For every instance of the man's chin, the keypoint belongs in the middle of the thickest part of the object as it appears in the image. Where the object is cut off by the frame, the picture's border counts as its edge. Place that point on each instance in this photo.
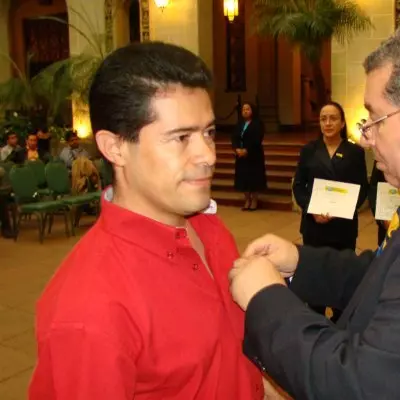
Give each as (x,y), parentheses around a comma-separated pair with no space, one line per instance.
(197,206)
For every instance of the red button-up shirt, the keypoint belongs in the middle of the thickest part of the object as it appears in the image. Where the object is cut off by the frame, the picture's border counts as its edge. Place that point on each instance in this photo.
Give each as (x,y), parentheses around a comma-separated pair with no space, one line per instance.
(133,313)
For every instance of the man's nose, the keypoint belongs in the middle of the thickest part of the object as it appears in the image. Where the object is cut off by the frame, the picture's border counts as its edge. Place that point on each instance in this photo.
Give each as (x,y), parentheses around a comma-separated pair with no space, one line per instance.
(204,149)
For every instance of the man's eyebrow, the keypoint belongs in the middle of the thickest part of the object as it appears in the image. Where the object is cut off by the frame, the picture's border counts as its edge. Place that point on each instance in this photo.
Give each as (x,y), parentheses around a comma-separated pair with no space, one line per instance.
(189,129)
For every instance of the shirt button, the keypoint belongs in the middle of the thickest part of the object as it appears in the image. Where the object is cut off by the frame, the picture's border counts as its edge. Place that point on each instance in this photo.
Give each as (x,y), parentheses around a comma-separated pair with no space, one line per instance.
(195,267)
(181,234)
(170,255)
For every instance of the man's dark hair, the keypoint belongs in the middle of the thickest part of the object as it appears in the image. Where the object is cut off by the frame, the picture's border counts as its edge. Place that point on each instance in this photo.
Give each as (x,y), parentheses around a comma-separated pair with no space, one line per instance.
(69,135)
(41,128)
(11,133)
(31,134)
(128,79)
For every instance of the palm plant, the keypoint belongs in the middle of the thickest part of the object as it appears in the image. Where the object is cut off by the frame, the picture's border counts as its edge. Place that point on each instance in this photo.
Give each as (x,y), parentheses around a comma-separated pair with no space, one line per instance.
(309,24)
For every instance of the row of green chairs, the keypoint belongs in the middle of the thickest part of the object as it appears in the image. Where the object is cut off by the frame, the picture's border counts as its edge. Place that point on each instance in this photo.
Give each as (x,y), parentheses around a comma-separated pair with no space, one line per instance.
(28,196)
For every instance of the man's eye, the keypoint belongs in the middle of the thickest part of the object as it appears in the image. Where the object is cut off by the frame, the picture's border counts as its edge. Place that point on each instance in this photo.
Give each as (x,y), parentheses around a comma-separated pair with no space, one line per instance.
(181,138)
(210,134)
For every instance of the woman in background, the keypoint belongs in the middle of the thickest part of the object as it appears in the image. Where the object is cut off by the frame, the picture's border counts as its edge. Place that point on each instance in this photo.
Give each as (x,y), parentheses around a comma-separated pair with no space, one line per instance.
(334,158)
(249,152)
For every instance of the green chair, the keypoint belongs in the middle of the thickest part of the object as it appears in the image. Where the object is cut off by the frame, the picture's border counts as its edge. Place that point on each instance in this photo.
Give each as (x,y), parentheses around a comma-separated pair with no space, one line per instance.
(6,165)
(106,173)
(28,202)
(59,183)
(38,169)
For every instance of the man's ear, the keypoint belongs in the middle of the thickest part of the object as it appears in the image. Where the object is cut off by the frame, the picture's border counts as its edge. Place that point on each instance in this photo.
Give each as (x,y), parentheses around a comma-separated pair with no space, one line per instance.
(110,145)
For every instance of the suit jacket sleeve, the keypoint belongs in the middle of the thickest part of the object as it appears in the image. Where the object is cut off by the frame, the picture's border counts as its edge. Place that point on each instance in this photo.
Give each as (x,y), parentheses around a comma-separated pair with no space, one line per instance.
(313,359)
(329,277)
(362,178)
(300,182)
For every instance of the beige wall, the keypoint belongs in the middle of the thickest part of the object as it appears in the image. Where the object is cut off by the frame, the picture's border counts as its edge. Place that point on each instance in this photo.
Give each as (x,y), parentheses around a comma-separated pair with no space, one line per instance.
(187,23)
(348,78)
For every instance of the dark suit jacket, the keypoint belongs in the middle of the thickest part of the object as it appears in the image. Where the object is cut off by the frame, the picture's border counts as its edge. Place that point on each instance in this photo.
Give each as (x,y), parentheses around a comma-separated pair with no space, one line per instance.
(314,359)
(376,176)
(347,165)
(19,156)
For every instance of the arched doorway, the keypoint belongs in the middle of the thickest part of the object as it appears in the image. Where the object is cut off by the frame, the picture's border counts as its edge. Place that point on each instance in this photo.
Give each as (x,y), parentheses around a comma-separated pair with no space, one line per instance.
(36,43)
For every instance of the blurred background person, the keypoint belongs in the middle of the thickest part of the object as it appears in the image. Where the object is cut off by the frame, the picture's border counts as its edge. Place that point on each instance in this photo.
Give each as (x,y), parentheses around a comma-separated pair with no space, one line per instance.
(250,161)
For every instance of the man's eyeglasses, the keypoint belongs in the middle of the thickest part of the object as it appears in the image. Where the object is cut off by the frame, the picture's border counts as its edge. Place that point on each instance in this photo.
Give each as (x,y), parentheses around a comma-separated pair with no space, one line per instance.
(364,127)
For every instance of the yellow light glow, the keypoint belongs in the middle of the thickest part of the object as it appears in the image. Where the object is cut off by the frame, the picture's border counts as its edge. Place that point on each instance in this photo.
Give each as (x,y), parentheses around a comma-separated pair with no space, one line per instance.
(353,132)
(83,130)
(81,120)
(231,9)
(162,3)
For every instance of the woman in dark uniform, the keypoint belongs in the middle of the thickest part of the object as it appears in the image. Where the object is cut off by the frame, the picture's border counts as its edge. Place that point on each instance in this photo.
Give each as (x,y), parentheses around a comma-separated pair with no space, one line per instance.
(376,177)
(249,152)
(334,158)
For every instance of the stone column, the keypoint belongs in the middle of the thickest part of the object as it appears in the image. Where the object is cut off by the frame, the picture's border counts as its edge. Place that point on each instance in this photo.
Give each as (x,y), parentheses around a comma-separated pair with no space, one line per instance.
(348,77)
(94,13)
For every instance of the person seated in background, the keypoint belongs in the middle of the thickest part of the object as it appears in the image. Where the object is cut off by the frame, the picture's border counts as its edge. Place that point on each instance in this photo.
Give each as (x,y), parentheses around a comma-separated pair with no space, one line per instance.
(31,152)
(73,150)
(376,177)
(11,147)
(44,139)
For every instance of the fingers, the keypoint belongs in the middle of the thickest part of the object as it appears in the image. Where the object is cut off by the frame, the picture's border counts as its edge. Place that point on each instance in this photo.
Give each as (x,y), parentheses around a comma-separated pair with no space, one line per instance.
(259,247)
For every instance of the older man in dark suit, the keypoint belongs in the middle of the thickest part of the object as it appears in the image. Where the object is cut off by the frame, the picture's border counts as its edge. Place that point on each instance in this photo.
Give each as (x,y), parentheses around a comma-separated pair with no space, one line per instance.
(309,356)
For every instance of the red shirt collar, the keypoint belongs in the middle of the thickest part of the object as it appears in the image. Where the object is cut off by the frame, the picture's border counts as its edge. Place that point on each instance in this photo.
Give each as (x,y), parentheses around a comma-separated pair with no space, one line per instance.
(145,232)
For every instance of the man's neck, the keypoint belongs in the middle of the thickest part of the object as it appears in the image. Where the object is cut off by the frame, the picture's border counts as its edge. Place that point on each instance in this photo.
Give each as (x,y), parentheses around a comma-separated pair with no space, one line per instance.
(136,205)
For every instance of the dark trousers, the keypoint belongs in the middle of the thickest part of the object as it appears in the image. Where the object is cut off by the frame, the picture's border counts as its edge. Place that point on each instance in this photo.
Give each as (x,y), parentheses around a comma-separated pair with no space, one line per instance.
(316,241)
(4,216)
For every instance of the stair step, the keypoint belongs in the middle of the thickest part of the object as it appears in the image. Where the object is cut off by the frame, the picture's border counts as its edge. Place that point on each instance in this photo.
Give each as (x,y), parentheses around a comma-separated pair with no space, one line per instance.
(271,165)
(266,201)
(272,176)
(276,188)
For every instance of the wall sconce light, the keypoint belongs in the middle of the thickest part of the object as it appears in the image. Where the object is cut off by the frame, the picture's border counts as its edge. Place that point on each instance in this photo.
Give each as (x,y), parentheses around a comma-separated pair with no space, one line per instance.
(162,4)
(231,9)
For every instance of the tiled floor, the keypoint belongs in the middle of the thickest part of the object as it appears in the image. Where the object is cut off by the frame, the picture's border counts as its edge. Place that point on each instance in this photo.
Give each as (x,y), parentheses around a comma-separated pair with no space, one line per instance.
(26,266)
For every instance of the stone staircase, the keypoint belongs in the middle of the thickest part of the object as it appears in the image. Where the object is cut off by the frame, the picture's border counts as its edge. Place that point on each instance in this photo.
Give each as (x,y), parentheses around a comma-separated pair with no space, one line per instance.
(281,161)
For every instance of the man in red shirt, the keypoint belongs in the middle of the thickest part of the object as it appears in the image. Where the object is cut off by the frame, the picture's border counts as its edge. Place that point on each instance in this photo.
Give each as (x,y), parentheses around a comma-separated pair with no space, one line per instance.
(141,308)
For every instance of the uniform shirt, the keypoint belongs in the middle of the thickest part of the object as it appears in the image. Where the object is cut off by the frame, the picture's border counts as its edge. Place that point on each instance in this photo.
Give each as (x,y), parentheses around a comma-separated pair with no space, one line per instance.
(133,313)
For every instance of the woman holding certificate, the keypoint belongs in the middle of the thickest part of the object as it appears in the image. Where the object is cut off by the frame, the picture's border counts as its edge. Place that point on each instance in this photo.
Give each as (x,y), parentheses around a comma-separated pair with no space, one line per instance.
(330,157)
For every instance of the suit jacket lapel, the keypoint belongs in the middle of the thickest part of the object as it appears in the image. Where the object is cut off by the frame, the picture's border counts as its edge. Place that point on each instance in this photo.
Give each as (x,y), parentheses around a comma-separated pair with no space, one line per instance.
(360,308)
(323,158)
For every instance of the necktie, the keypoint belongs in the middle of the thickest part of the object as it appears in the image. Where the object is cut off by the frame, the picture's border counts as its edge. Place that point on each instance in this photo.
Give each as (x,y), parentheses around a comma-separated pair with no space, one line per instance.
(394,225)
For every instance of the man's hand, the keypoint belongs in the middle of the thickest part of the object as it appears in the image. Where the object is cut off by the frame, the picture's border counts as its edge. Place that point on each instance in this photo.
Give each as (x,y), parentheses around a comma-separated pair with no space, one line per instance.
(282,253)
(322,219)
(249,276)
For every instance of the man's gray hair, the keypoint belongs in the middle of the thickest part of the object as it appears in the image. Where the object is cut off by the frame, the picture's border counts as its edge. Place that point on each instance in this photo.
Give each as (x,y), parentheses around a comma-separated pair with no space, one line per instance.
(387,53)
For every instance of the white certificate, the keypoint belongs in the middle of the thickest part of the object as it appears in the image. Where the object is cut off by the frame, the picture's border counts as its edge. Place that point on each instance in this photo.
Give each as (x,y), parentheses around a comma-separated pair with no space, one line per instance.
(387,201)
(337,199)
